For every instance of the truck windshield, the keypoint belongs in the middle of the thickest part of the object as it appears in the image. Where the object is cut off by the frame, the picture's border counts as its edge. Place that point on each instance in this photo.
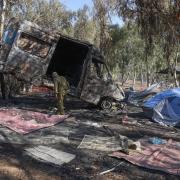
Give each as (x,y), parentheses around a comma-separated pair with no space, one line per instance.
(33,45)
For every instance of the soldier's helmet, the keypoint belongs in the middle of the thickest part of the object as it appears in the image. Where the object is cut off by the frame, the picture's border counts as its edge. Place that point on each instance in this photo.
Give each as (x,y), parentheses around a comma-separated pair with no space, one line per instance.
(55,75)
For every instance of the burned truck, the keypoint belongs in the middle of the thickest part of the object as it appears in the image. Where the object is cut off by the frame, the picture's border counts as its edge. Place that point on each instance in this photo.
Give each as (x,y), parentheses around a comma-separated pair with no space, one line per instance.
(31,53)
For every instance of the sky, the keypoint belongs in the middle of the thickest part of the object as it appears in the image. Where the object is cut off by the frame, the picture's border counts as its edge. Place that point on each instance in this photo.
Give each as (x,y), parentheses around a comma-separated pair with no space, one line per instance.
(76,4)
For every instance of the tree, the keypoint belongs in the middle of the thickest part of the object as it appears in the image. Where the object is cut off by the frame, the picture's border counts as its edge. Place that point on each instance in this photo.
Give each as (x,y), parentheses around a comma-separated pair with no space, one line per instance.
(48,14)
(157,21)
(102,19)
(84,27)
(126,52)
(127,55)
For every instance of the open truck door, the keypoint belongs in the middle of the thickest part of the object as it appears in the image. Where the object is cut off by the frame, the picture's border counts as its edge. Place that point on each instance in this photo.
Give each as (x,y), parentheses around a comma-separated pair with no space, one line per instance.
(30,52)
(92,82)
(97,89)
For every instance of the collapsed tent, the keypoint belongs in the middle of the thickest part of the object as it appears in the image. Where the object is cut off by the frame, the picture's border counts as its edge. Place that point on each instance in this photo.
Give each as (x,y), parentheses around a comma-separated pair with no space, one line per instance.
(137,98)
(164,108)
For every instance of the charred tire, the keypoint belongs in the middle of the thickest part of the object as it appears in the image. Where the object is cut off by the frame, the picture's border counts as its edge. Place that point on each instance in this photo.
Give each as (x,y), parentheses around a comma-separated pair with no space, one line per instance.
(106,103)
(122,106)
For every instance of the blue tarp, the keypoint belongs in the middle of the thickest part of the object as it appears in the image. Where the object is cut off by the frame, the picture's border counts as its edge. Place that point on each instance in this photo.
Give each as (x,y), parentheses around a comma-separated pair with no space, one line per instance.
(165,107)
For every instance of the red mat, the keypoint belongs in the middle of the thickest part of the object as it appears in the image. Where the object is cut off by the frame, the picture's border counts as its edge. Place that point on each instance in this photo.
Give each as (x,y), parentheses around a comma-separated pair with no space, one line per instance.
(160,157)
(24,121)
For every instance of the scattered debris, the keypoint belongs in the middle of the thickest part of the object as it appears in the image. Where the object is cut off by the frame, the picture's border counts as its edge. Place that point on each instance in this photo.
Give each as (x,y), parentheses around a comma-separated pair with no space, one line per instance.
(48,139)
(164,157)
(156,140)
(68,135)
(90,123)
(125,119)
(110,170)
(49,155)
(120,143)
(137,98)
(100,143)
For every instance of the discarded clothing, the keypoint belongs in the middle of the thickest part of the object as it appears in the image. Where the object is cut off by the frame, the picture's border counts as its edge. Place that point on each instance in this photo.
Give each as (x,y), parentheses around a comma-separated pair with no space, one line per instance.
(24,121)
(108,143)
(49,155)
(164,108)
(164,157)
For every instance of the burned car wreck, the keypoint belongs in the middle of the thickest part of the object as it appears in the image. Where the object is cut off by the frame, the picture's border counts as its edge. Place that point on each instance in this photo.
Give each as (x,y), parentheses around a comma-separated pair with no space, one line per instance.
(31,53)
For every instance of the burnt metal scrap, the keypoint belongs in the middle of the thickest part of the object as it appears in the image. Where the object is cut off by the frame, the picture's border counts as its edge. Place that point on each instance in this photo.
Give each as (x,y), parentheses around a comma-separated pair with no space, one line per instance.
(30,53)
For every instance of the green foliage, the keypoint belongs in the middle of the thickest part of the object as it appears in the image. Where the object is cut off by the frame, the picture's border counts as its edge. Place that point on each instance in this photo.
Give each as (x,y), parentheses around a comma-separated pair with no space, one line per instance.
(147,43)
(158,23)
(84,26)
(48,14)
(127,55)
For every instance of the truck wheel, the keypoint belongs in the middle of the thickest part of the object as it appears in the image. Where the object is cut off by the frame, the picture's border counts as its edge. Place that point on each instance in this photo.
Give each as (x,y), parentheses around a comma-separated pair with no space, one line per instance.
(106,104)
(122,106)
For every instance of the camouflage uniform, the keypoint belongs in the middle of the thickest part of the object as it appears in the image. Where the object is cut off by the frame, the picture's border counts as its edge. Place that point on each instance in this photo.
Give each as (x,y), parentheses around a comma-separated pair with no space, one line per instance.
(61,87)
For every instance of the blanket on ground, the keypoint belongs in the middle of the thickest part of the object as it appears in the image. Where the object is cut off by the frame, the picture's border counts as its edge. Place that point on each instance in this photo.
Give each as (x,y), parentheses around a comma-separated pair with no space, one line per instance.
(164,157)
(24,121)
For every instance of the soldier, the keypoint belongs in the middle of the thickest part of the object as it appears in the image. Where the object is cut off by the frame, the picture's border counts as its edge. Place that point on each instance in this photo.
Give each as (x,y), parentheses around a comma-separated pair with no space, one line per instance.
(61,87)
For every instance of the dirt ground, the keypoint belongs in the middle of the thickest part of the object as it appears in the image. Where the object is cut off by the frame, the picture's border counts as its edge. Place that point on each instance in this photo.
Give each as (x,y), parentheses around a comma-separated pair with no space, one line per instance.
(83,120)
